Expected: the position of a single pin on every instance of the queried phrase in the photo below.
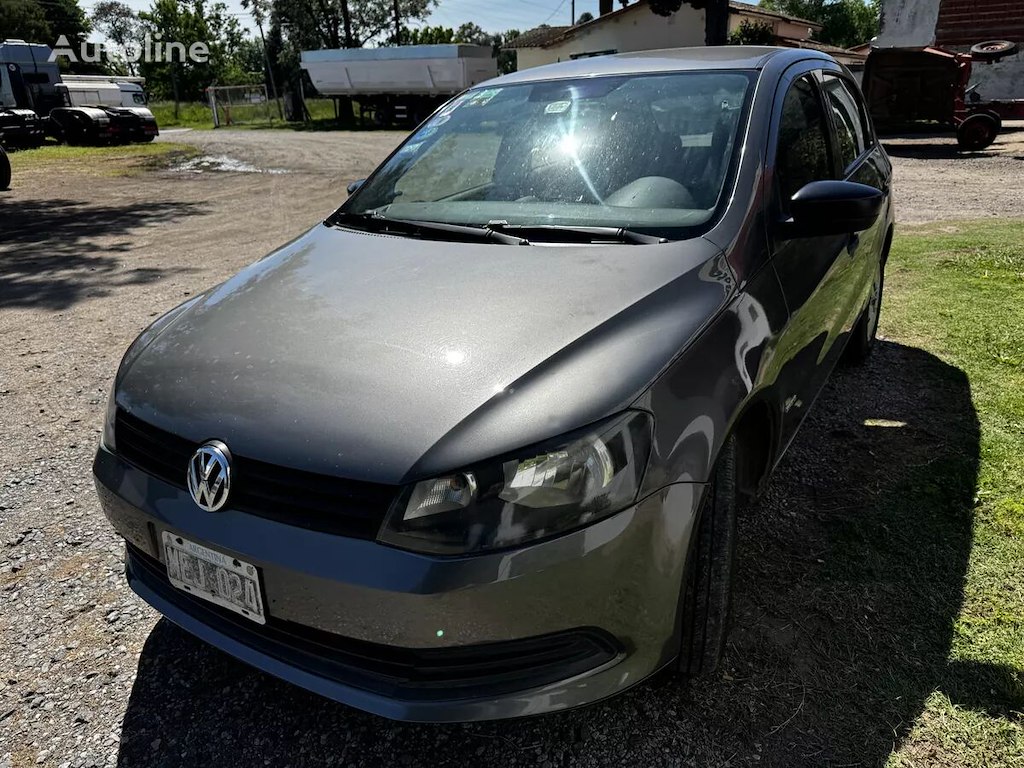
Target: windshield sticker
(557, 107)
(451, 106)
(481, 98)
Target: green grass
(197, 115)
(957, 291)
(189, 114)
(108, 161)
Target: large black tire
(864, 332)
(707, 594)
(977, 131)
(990, 50)
(5, 170)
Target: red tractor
(904, 86)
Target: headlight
(540, 492)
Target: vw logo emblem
(209, 475)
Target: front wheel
(5, 170)
(707, 593)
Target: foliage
(585, 17)
(752, 33)
(507, 59)
(120, 25)
(24, 20)
(344, 23)
(664, 7)
(188, 22)
(428, 36)
(66, 17)
(844, 22)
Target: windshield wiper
(375, 222)
(575, 234)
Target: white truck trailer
(399, 84)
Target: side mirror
(355, 185)
(832, 208)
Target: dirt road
(92, 677)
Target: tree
(428, 36)
(345, 23)
(844, 22)
(24, 20)
(120, 25)
(585, 17)
(752, 33)
(65, 17)
(506, 58)
(189, 22)
(471, 34)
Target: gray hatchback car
(474, 446)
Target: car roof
(662, 60)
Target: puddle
(221, 163)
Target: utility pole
(572, 12)
(398, 25)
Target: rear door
(814, 272)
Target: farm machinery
(904, 86)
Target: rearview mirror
(832, 208)
(355, 185)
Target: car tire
(707, 592)
(865, 331)
(990, 50)
(977, 131)
(5, 170)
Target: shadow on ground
(51, 257)
(850, 577)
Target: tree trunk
(346, 19)
(716, 22)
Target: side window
(802, 155)
(851, 136)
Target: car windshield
(642, 152)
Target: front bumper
(557, 624)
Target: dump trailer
(402, 84)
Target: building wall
(639, 30)
(642, 30)
(966, 22)
(956, 25)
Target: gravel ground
(91, 676)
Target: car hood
(384, 358)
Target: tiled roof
(542, 37)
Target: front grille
(412, 673)
(306, 499)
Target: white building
(636, 28)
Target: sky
(491, 15)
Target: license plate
(214, 576)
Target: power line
(554, 12)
